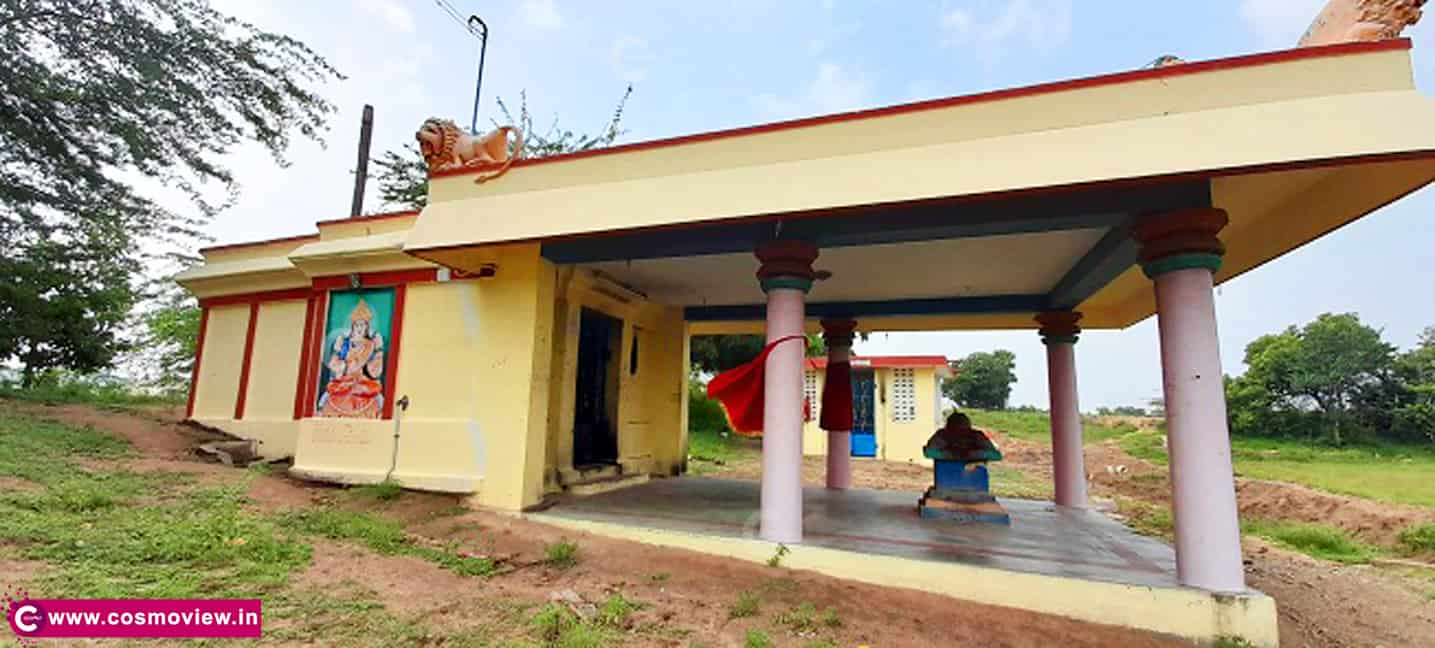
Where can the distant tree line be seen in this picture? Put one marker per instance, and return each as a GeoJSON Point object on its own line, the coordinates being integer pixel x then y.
{"type": "Point", "coordinates": [982, 380]}
{"type": "Point", "coordinates": [1334, 380]}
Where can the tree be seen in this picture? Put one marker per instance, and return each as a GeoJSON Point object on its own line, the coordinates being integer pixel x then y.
{"type": "Point", "coordinates": [983, 380]}
{"type": "Point", "coordinates": [718, 353]}
{"type": "Point", "coordinates": [403, 174]}
{"type": "Point", "coordinates": [1330, 378]}
{"type": "Point", "coordinates": [61, 306]}
{"type": "Point", "coordinates": [96, 97]}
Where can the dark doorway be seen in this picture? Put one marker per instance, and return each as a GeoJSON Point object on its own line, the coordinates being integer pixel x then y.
{"type": "Point", "coordinates": [595, 437]}
{"type": "Point", "coordinates": [864, 423]}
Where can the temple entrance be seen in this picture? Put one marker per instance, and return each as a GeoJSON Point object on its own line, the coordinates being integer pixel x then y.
{"type": "Point", "coordinates": [864, 422]}
{"type": "Point", "coordinates": [595, 438]}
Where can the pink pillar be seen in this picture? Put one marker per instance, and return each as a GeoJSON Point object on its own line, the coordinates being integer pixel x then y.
{"type": "Point", "coordinates": [786, 276]}
{"type": "Point", "coordinates": [1180, 252]}
{"type": "Point", "coordinates": [838, 336]}
{"type": "Point", "coordinates": [1059, 333]}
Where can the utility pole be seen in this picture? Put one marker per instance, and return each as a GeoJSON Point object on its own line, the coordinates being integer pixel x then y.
{"type": "Point", "coordinates": [361, 172]}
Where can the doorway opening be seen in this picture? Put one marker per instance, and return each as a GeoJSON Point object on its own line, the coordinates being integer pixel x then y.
{"type": "Point", "coordinates": [864, 420]}
{"type": "Point", "coordinates": [595, 437]}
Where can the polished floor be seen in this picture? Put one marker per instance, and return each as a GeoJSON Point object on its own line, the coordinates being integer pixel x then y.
{"type": "Point", "coordinates": [1042, 539]}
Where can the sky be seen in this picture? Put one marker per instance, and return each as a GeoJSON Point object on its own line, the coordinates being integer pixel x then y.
{"type": "Point", "coordinates": [700, 66]}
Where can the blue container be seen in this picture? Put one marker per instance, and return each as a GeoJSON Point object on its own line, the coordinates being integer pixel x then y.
{"type": "Point", "coordinates": [956, 475]}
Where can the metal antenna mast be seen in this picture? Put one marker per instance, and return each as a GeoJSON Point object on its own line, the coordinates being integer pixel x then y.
{"type": "Point", "coordinates": [481, 31]}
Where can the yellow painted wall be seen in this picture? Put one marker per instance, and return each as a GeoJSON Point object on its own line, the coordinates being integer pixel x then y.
{"type": "Point", "coordinates": [219, 365]}
{"type": "Point", "coordinates": [473, 361]}
{"type": "Point", "coordinates": [651, 419]}
{"type": "Point", "coordinates": [896, 441]}
{"type": "Point", "coordinates": [273, 374]}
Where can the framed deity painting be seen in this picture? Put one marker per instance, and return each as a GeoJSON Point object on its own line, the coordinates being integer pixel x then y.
{"type": "Point", "coordinates": [356, 345]}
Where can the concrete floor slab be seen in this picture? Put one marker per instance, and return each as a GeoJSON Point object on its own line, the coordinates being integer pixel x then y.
{"type": "Point", "coordinates": [1072, 563]}
{"type": "Point", "coordinates": [1042, 538]}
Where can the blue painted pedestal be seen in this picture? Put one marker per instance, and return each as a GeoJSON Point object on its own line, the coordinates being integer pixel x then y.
{"type": "Point", "coordinates": [962, 492]}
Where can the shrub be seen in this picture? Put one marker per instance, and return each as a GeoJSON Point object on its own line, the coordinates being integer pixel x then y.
{"type": "Point", "coordinates": [561, 555]}
{"type": "Point", "coordinates": [1314, 540]}
{"type": "Point", "coordinates": [746, 605]}
{"type": "Point", "coordinates": [1419, 538]}
{"type": "Point", "coordinates": [757, 639]}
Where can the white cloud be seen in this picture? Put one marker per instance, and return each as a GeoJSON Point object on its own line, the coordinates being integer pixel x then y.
{"type": "Point", "coordinates": [630, 58]}
{"type": "Point", "coordinates": [1037, 24]}
{"type": "Point", "coordinates": [1279, 23]}
{"type": "Point", "coordinates": [540, 13]}
{"type": "Point", "coordinates": [832, 90]}
{"type": "Point", "coordinates": [395, 16]}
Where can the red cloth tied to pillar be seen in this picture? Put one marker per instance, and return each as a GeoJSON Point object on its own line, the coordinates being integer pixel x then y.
{"type": "Point", "coordinates": [837, 398]}
{"type": "Point", "coordinates": [740, 390]}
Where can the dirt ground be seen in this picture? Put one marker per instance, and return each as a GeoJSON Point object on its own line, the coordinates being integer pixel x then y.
{"type": "Point", "coordinates": [684, 595]}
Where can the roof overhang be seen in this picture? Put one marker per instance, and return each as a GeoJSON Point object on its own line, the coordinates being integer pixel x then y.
{"type": "Point", "coordinates": [997, 205]}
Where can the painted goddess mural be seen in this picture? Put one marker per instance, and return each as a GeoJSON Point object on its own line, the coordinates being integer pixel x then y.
{"type": "Point", "coordinates": [352, 385]}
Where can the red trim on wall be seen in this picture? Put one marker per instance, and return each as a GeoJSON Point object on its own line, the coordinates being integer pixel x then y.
{"type": "Point", "coordinates": [314, 354]}
{"type": "Point", "coordinates": [391, 368]}
{"type": "Point", "coordinates": [256, 297]}
{"type": "Point", "coordinates": [249, 244]}
{"type": "Point", "coordinates": [368, 218]}
{"type": "Point", "coordinates": [248, 358]}
{"type": "Point", "coordinates": [884, 362]}
{"type": "Point", "coordinates": [198, 356]}
{"type": "Point", "coordinates": [303, 379]}
{"type": "Point", "coordinates": [377, 279]}
{"type": "Point", "coordinates": [1194, 67]}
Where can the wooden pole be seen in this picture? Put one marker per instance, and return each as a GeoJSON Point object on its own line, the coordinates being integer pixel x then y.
{"type": "Point", "coordinates": [361, 172]}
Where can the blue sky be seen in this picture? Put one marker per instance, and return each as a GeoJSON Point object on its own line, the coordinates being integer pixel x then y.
{"type": "Point", "coordinates": [701, 66]}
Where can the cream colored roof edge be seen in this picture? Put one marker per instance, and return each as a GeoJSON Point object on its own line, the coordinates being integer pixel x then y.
{"type": "Point", "coordinates": [386, 243]}
{"type": "Point", "coordinates": [225, 269]}
{"type": "Point", "coordinates": [1210, 142]}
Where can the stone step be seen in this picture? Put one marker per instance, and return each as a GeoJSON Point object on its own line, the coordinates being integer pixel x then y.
{"type": "Point", "coordinates": [606, 484]}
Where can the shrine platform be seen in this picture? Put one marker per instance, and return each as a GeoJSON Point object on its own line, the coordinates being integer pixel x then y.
{"type": "Point", "coordinates": [1074, 563]}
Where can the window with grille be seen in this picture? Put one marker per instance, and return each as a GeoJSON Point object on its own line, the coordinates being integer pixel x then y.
{"type": "Point", "coordinates": [904, 395]}
{"type": "Point", "coordinates": [810, 395]}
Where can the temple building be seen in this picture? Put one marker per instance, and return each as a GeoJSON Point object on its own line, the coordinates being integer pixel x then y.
{"type": "Point", "coordinates": [527, 334]}
{"type": "Point", "coordinates": [896, 403]}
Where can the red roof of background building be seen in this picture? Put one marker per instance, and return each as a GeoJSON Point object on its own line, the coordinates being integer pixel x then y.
{"type": "Point", "coordinates": [885, 362]}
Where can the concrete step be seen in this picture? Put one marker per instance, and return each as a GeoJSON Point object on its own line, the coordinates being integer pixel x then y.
{"type": "Point", "coordinates": [605, 484]}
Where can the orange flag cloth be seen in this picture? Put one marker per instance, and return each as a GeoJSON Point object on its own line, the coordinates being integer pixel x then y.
{"type": "Point", "coordinates": [740, 390]}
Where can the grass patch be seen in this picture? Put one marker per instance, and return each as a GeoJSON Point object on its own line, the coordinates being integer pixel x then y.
{"type": "Point", "coordinates": [1148, 445]}
{"type": "Point", "coordinates": [384, 491]}
{"type": "Point", "coordinates": [1010, 482]}
{"type": "Point", "coordinates": [57, 386]}
{"type": "Point", "coordinates": [777, 556]}
{"type": "Point", "coordinates": [805, 618]}
{"type": "Point", "coordinates": [1146, 519]}
{"type": "Point", "coordinates": [1419, 538]}
{"type": "Point", "coordinates": [1035, 426]}
{"type": "Point", "coordinates": [561, 555]}
{"type": "Point", "coordinates": [1316, 540]}
{"type": "Point", "coordinates": [616, 610]}
{"type": "Point", "coordinates": [381, 535]}
{"type": "Point", "coordinates": [746, 605]}
{"type": "Point", "coordinates": [757, 639]}
{"type": "Point", "coordinates": [556, 625]}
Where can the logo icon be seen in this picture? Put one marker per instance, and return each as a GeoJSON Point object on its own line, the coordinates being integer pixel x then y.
{"type": "Point", "coordinates": [25, 616]}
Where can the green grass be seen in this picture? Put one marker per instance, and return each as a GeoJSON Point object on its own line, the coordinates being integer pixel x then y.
{"type": "Point", "coordinates": [1010, 482]}
{"type": "Point", "coordinates": [381, 535]}
{"type": "Point", "coordinates": [1418, 539]}
{"type": "Point", "coordinates": [1146, 519]}
{"type": "Point", "coordinates": [1398, 474]}
{"type": "Point", "coordinates": [557, 626]}
{"type": "Point", "coordinates": [561, 555]}
{"type": "Point", "coordinates": [1316, 540]}
{"type": "Point", "coordinates": [1035, 426]}
{"type": "Point", "coordinates": [746, 605]}
{"type": "Point", "coordinates": [384, 491]}
{"type": "Point", "coordinates": [757, 639]}
{"type": "Point", "coordinates": [65, 387]}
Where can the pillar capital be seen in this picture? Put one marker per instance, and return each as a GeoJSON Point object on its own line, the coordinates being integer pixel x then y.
{"type": "Point", "coordinates": [1180, 239]}
{"type": "Point", "coordinates": [838, 331]}
{"type": "Point", "coordinates": [1058, 327]}
{"type": "Point", "coordinates": [786, 264]}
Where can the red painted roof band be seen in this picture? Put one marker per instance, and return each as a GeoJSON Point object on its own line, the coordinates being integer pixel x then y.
{"type": "Point", "coordinates": [885, 362]}
{"type": "Point", "coordinates": [1192, 67]}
